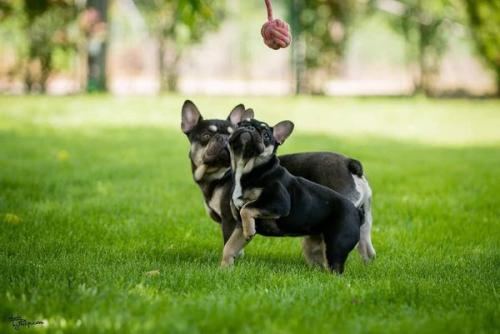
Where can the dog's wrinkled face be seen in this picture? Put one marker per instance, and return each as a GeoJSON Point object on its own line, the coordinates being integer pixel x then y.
{"type": "Point", "coordinates": [209, 152]}
{"type": "Point", "coordinates": [209, 143]}
{"type": "Point", "coordinates": [256, 141]}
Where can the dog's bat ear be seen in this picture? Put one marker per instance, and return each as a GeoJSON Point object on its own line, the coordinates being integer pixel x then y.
{"type": "Point", "coordinates": [282, 131]}
{"type": "Point", "coordinates": [236, 115]}
{"type": "Point", "coordinates": [248, 114]}
{"type": "Point", "coordinates": [190, 116]}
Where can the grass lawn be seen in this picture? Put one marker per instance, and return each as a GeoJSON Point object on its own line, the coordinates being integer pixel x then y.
{"type": "Point", "coordinates": [95, 192]}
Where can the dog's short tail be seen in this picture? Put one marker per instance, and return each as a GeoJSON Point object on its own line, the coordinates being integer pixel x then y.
{"type": "Point", "coordinates": [355, 167]}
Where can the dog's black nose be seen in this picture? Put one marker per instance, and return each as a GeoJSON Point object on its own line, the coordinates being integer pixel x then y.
{"type": "Point", "coordinates": [245, 137]}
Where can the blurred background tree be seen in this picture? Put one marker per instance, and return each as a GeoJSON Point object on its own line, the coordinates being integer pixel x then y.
{"type": "Point", "coordinates": [5, 9]}
{"type": "Point", "coordinates": [425, 25]}
{"type": "Point", "coordinates": [55, 36]}
{"type": "Point", "coordinates": [484, 23]}
{"type": "Point", "coordinates": [175, 25]}
{"type": "Point", "coordinates": [93, 23]}
{"type": "Point", "coordinates": [46, 27]}
{"type": "Point", "coordinates": [321, 30]}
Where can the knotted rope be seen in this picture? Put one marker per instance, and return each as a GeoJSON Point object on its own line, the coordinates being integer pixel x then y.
{"type": "Point", "coordinates": [276, 33]}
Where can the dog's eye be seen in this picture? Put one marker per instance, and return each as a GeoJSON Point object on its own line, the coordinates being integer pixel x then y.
{"type": "Point", "coordinates": [206, 136]}
{"type": "Point", "coordinates": [266, 136]}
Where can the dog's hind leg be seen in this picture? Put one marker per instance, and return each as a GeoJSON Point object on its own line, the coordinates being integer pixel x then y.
{"type": "Point", "coordinates": [339, 242]}
{"type": "Point", "coordinates": [364, 202]}
{"type": "Point", "coordinates": [365, 246]}
{"type": "Point", "coordinates": [314, 250]}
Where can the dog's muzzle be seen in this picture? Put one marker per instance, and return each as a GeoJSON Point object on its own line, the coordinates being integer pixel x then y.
{"type": "Point", "coordinates": [247, 139]}
{"type": "Point", "coordinates": [216, 149]}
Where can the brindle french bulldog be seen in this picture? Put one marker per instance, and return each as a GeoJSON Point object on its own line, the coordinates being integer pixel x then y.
{"type": "Point", "coordinates": [270, 201]}
{"type": "Point", "coordinates": [210, 165]}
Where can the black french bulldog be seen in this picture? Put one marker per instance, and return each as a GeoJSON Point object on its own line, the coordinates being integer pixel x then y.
{"type": "Point", "coordinates": [210, 165]}
{"type": "Point", "coordinates": [270, 201]}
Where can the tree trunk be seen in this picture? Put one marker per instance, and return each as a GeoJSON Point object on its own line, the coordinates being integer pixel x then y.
{"type": "Point", "coordinates": [161, 62]}
{"type": "Point", "coordinates": [28, 79]}
{"type": "Point", "coordinates": [96, 72]}
{"type": "Point", "coordinates": [298, 50]}
{"type": "Point", "coordinates": [168, 65]}
{"type": "Point", "coordinates": [420, 82]}
{"type": "Point", "coordinates": [45, 70]}
{"type": "Point", "coordinates": [173, 78]}
{"type": "Point", "coordinates": [497, 88]}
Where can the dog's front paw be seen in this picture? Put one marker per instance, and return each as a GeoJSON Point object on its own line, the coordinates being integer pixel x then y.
{"type": "Point", "coordinates": [240, 254]}
{"type": "Point", "coordinates": [367, 251]}
{"type": "Point", "coordinates": [249, 233]}
{"type": "Point", "coordinates": [248, 236]}
{"type": "Point", "coordinates": [227, 262]}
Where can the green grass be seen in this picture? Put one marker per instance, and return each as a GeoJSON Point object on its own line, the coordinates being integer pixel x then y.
{"type": "Point", "coordinates": [103, 192]}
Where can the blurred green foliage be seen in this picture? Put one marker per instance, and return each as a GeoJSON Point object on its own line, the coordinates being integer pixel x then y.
{"type": "Point", "coordinates": [425, 25]}
{"type": "Point", "coordinates": [175, 25]}
{"type": "Point", "coordinates": [5, 9]}
{"type": "Point", "coordinates": [323, 28]}
{"type": "Point", "coordinates": [47, 29]}
{"type": "Point", "coordinates": [49, 35]}
{"type": "Point", "coordinates": [484, 23]}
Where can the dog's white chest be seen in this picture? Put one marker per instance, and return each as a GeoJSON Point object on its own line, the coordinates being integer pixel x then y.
{"type": "Point", "coordinates": [241, 196]}
{"type": "Point", "coordinates": [237, 192]}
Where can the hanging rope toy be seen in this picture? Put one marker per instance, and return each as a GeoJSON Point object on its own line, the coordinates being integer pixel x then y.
{"type": "Point", "coordinates": [276, 33]}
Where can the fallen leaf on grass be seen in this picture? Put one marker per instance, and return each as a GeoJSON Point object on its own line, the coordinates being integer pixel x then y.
{"type": "Point", "coordinates": [62, 155]}
{"type": "Point", "coordinates": [11, 218]}
{"type": "Point", "coordinates": [152, 273]}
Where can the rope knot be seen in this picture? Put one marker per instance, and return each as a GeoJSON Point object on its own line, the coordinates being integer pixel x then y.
{"type": "Point", "coordinates": [275, 32]}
